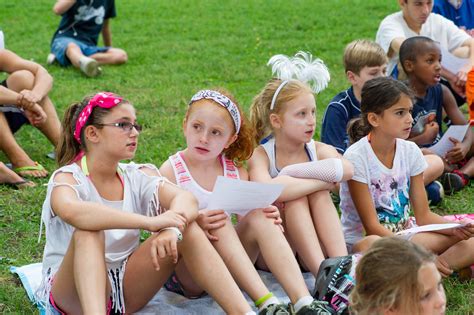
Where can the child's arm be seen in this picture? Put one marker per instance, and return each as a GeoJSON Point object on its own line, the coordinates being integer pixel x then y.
{"type": "Point", "coordinates": [460, 149]}
{"type": "Point", "coordinates": [10, 62]}
{"type": "Point", "coordinates": [207, 219]}
{"type": "Point", "coordinates": [365, 207]}
{"type": "Point", "coordinates": [95, 217]}
{"type": "Point", "coordinates": [428, 135]}
{"type": "Point", "coordinates": [62, 6]}
{"type": "Point", "coordinates": [295, 188]}
{"type": "Point", "coordinates": [107, 33]}
{"type": "Point", "coordinates": [326, 151]}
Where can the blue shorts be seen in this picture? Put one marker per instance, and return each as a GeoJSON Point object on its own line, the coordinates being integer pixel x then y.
{"type": "Point", "coordinates": [13, 114]}
{"type": "Point", "coordinates": [59, 47]}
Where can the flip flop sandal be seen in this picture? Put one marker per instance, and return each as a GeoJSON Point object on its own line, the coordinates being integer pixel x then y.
{"type": "Point", "coordinates": [36, 167]}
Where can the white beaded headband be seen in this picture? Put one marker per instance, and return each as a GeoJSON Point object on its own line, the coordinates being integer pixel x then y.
{"type": "Point", "coordinates": [301, 67]}
{"type": "Point", "coordinates": [222, 100]}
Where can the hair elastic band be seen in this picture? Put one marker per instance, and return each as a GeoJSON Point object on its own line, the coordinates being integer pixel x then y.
{"type": "Point", "coordinates": [274, 98]}
{"type": "Point", "coordinates": [222, 100]}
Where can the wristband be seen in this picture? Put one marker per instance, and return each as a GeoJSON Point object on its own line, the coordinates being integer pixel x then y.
{"type": "Point", "coordinates": [176, 230]}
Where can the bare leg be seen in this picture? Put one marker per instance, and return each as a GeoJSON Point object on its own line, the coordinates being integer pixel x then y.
{"type": "Point", "coordinates": [238, 262]}
{"type": "Point", "coordinates": [364, 244]}
{"type": "Point", "coordinates": [74, 53]}
{"type": "Point", "coordinates": [8, 176]}
{"type": "Point", "coordinates": [51, 128]}
{"type": "Point", "coordinates": [142, 281]}
{"type": "Point", "coordinates": [435, 168]}
{"type": "Point", "coordinates": [14, 152]}
{"type": "Point", "coordinates": [113, 56]}
{"type": "Point", "coordinates": [81, 285]}
{"type": "Point", "coordinates": [327, 223]}
{"type": "Point", "coordinates": [302, 233]}
{"type": "Point", "coordinates": [259, 234]}
{"type": "Point", "coordinates": [457, 254]}
{"type": "Point", "coordinates": [468, 169]}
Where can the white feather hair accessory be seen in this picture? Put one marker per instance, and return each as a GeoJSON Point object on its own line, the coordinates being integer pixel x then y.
{"type": "Point", "coordinates": [301, 67]}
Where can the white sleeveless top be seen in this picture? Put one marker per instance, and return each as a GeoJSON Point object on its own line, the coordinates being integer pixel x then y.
{"type": "Point", "coordinates": [185, 180]}
{"type": "Point", "coordinates": [269, 148]}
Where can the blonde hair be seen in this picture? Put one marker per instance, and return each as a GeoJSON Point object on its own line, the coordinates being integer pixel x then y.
{"type": "Point", "coordinates": [242, 148]}
{"type": "Point", "coordinates": [363, 53]}
{"type": "Point", "coordinates": [387, 277]}
{"type": "Point", "coordinates": [260, 109]}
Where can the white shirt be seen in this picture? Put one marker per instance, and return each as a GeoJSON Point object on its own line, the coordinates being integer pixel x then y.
{"type": "Point", "coordinates": [436, 27]}
{"type": "Point", "coordinates": [389, 188]}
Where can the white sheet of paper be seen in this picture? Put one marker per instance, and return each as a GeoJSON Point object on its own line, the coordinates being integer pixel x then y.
{"type": "Point", "coordinates": [450, 62]}
{"type": "Point", "coordinates": [240, 196]}
{"type": "Point", "coordinates": [444, 144]}
{"type": "Point", "coordinates": [429, 227]}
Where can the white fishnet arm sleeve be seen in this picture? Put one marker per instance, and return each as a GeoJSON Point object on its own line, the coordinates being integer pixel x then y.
{"type": "Point", "coordinates": [328, 170]}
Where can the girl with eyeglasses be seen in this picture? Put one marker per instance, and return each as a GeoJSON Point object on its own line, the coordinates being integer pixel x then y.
{"type": "Point", "coordinates": [94, 210]}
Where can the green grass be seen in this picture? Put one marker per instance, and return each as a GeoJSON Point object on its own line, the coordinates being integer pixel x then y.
{"type": "Point", "coordinates": [176, 48]}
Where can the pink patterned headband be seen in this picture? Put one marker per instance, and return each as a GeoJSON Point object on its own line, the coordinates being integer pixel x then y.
{"type": "Point", "coordinates": [222, 100]}
{"type": "Point", "coordinates": [101, 99]}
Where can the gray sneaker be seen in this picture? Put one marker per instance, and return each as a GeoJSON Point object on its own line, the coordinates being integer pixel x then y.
{"type": "Point", "coordinates": [275, 309]}
{"type": "Point", "coordinates": [89, 66]}
{"type": "Point", "coordinates": [316, 308]}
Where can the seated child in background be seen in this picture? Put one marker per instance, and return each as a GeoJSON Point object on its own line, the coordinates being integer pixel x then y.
{"type": "Point", "coordinates": [94, 210]}
{"type": "Point", "coordinates": [388, 178]}
{"type": "Point", "coordinates": [365, 60]}
{"type": "Point", "coordinates": [75, 40]}
{"type": "Point", "coordinates": [420, 58]}
{"type": "Point", "coordinates": [461, 12]}
{"type": "Point", "coordinates": [24, 100]}
{"type": "Point", "coordinates": [283, 116]}
{"type": "Point", "coordinates": [397, 277]}
{"type": "Point", "coordinates": [219, 139]}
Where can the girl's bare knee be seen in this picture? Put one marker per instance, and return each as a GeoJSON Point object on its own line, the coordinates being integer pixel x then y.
{"type": "Point", "coordinates": [21, 80]}
{"type": "Point", "coordinates": [81, 237]}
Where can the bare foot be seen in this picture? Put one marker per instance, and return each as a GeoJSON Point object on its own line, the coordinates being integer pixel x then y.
{"type": "Point", "coordinates": [7, 176]}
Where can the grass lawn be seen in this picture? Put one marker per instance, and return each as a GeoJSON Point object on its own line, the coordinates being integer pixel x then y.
{"type": "Point", "coordinates": [176, 48]}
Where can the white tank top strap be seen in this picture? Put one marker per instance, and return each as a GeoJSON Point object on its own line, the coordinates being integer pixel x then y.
{"type": "Point", "coordinates": [269, 148]}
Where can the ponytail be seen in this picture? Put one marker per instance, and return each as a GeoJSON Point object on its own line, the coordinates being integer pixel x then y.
{"type": "Point", "coordinates": [68, 147]}
{"type": "Point", "coordinates": [358, 128]}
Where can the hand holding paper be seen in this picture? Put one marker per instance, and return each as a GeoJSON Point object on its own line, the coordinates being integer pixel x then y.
{"type": "Point", "coordinates": [240, 197]}
{"type": "Point", "coordinates": [442, 147]}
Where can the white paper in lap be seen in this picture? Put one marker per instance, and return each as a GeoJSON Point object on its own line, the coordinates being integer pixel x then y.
{"type": "Point", "coordinates": [241, 196]}
{"type": "Point", "coordinates": [165, 302]}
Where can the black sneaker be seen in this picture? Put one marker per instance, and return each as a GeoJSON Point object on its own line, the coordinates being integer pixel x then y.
{"type": "Point", "coordinates": [275, 309]}
{"type": "Point", "coordinates": [452, 182]}
{"type": "Point", "coordinates": [316, 308]}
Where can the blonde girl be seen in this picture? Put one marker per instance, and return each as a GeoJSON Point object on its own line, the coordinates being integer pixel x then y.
{"type": "Point", "coordinates": [94, 210]}
{"type": "Point", "coordinates": [284, 117]}
{"type": "Point", "coordinates": [397, 277]}
{"type": "Point", "coordinates": [219, 139]}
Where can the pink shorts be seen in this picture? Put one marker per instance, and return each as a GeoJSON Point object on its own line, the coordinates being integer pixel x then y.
{"type": "Point", "coordinates": [61, 312]}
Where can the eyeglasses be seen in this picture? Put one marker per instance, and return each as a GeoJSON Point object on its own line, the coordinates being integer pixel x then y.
{"type": "Point", "coordinates": [125, 125]}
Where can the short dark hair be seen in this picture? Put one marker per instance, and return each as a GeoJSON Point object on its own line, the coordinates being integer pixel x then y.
{"type": "Point", "coordinates": [413, 47]}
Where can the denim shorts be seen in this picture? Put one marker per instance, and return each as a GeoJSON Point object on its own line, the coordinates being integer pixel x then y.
{"type": "Point", "coordinates": [59, 47]}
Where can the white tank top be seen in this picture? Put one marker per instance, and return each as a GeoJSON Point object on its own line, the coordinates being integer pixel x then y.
{"type": "Point", "coordinates": [269, 148]}
{"type": "Point", "coordinates": [185, 180]}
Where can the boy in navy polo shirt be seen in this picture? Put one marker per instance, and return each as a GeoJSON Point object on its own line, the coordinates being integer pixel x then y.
{"type": "Point", "coordinates": [365, 60]}
{"type": "Point", "coordinates": [75, 41]}
{"type": "Point", "coordinates": [420, 58]}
